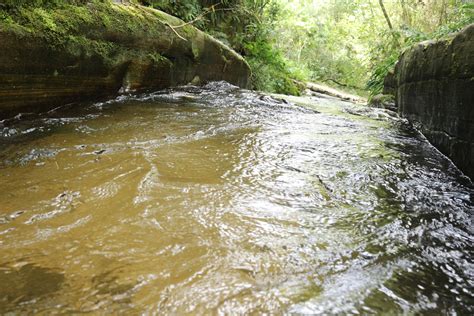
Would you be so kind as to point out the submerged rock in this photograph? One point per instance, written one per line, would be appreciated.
(435, 90)
(70, 53)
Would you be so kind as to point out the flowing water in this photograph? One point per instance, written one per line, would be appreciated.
(224, 201)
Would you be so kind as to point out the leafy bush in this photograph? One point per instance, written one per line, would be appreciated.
(380, 71)
(270, 71)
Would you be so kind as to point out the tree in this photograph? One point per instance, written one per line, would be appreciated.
(390, 26)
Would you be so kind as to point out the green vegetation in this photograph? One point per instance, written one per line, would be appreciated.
(351, 44)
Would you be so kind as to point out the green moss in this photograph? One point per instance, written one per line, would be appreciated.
(188, 30)
(8, 23)
(80, 45)
(78, 28)
(74, 19)
(44, 19)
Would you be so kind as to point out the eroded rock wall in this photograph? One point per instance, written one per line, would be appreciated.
(69, 54)
(435, 90)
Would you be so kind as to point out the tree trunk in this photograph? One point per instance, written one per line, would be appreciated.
(386, 15)
(390, 26)
(442, 13)
(406, 16)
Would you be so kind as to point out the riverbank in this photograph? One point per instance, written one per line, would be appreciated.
(71, 53)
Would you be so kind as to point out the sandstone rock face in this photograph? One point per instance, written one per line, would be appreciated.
(72, 54)
(435, 89)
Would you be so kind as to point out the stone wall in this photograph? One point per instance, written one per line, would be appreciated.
(435, 90)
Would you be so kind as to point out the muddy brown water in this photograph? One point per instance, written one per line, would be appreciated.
(217, 200)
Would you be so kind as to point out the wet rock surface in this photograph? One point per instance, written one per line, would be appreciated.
(435, 90)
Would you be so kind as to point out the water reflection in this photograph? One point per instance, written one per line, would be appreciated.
(220, 200)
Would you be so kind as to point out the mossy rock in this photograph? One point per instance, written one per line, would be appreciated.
(65, 53)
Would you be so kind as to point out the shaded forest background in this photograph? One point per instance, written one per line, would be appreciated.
(351, 44)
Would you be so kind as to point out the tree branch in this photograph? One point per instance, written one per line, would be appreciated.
(390, 26)
(177, 34)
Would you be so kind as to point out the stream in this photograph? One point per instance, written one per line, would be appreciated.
(218, 200)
